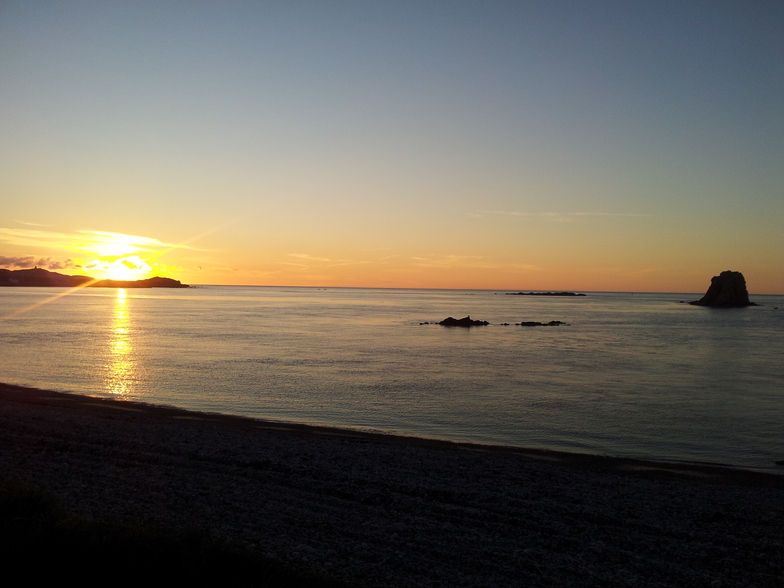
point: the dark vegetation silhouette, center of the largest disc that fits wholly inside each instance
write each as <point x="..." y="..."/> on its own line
<point x="47" y="544"/>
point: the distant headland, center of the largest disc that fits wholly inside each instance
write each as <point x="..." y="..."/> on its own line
<point x="41" y="278"/>
<point x="543" y="294"/>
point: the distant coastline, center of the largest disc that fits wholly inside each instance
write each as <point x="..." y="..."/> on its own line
<point x="543" y="294"/>
<point x="41" y="278"/>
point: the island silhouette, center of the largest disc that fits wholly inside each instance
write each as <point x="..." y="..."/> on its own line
<point x="38" y="278"/>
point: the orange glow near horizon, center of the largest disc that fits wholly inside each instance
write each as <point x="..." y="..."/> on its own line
<point x="232" y="259"/>
<point x="585" y="280"/>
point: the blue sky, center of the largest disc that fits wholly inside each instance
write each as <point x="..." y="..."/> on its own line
<point x="586" y="145"/>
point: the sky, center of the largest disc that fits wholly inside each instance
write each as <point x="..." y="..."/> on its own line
<point x="527" y="145"/>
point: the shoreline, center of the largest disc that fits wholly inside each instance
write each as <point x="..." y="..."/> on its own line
<point x="390" y="511"/>
<point x="607" y="463"/>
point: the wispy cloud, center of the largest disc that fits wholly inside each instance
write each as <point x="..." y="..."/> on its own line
<point x="292" y="264"/>
<point x="309" y="257"/>
<point x="524" y="267"/>
<point x="100" y="243"/>
<point x="321" y="260"/>
<point x="29" y="224"/>
<point x="475" y="262"/>
<point x="19" y="262"/>
<point x="558" y="216"/>
<point x="30" y="261"/>
<point x="447" y="261"/>
<point x="377" y="249"/>
<point x="36" y="238"/>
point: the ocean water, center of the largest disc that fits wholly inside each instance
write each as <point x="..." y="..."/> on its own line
<point x="638" y="375"/>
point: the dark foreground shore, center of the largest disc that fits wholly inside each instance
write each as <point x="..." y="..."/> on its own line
<point x="392" y="511"/>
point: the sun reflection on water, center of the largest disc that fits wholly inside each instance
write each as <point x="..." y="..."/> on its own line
<point x="121" y="365"/>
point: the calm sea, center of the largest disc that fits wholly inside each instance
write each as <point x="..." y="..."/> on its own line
<point x="637" y="375"/>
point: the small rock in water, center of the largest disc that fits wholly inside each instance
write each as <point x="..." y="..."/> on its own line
<point x="463" y="322"/>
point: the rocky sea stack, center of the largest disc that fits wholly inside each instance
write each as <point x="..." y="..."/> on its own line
<point x="727" y="290"/>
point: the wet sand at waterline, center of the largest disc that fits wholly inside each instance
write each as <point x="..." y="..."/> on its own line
<point x="398" y="511"/>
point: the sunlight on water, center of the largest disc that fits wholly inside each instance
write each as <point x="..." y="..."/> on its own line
<point x="120" y="365"/>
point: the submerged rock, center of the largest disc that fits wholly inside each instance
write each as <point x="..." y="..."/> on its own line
<point x="727" y="290"/>
<point x="463" y="322"/>
<point x="537" y="324"/>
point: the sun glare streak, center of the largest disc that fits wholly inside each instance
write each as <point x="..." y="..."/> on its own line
<point x="186" y="244"/>
<point x="47" y="301"/>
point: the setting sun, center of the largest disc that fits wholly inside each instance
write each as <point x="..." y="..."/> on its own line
<point x="125" y="268"/>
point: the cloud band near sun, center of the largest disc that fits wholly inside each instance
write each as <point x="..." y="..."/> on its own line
<point x="101" y="243"/>
<point x="28" y="261"/>
<point x="115" y="255"/>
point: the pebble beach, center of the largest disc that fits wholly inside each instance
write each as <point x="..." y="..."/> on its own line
<point x="393" y="511"/>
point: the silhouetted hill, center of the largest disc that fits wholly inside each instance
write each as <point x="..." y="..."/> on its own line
<point x="38" y="277"/>
<point x="155" y="282"/>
